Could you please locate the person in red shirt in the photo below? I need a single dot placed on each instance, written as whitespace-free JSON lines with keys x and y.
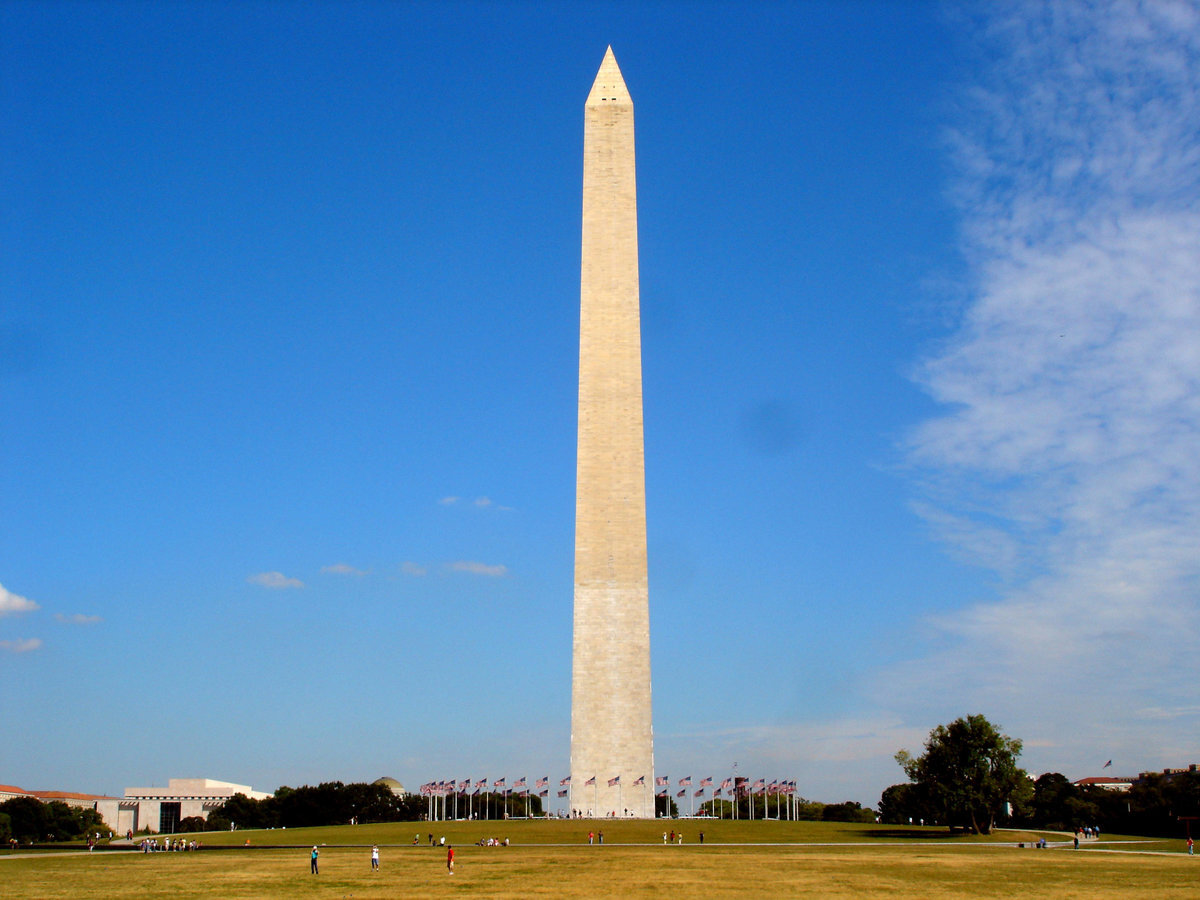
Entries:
{"x":450,"y":859}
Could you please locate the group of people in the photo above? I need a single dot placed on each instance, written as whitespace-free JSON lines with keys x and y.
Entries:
{"x":315,"y":855}
{"x":153,"y":845}
{"x":493,"y":842}
{"x":677,"y":837}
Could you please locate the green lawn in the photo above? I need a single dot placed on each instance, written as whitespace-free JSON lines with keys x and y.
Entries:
{"x":553,"y":859}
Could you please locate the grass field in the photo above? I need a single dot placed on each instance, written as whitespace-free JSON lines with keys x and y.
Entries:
{"x":553,"y":859}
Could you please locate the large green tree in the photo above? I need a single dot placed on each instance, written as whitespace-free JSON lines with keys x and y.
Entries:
{"x":969,"y":770}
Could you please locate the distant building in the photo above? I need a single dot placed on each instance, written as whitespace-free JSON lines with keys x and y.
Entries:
{"x":392,"y":785}
{"x":161,"y":809}
{"x":1123,"y":784}
{"x":1107,"y":782}
{"x":79,"y":801}
{"x":1168,"y":774}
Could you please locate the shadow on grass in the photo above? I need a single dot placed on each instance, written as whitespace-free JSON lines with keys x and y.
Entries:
{"x":908,"y":834}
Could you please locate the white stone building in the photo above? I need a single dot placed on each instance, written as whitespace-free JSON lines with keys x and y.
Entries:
{"x":161,"y":809}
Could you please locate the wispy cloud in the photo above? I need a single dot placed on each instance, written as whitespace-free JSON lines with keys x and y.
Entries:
{"x":478,"y":568}
{"x":1066,"y":459}
{"x":22,"y":645}
{"x":342,"y":569}
{"x":412,"y":568}
{"x":479,"y":503}
{"x":275,"y":581}
{"x":11,"y":603}
{"x":77,"y":619}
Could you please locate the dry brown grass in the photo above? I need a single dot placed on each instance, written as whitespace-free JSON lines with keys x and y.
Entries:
{"x":896,"y":872}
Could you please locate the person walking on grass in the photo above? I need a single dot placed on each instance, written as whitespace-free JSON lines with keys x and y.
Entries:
{"x":314,"y":859}
{"x":375,"y":858}
{"x":450,"y":859}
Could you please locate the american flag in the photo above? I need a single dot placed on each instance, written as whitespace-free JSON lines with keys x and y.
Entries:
{"x":481,"y":783}
{"x":717,"y":792}
{"x":700,"y":792}
{"x":613,"y":782}
{"x":726,"y":784}
{"x":520,"y":784}
{"x":641,"y":780}
{"x":565,"y":781}
{"x":499,"y":782}
{"x":544,"y":793}
{"x":681,"y":793}
{"x":543,"y":781}
{"x":706,"y":782}
{"x":590,"y":781}
{"x":758,"y":785}
{"x":662,"y":780}
{"x":562,"y":793}
{"x":685,"y":782}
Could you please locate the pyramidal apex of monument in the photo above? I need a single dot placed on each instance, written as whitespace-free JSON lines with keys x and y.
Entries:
{"x":609,"y":87}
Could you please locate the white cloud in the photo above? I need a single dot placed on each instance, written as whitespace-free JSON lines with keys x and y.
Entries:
{"x":448,"y":501}
{"x":342,"y":569}
{"x":412,"y":568}
{"x":478,"y":568}
{"x":275,"y":580}
{"x":1067,"y":458}
{"x":483,"y":502}
{"x":21,"y":645}
{"x":77,"y":619}
{"x":10,"y":603}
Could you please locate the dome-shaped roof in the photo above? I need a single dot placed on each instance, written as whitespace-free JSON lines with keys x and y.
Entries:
{"x":393,"y":785}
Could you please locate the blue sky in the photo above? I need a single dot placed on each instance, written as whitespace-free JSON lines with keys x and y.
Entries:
{"x":288,"y":344}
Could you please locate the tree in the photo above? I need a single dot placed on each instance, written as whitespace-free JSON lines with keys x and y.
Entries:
{"x":849,"y":811}
{"x":664,"y":806}
{"x":29,"y":819}
{"x":191,"y":825}
{"x":970,"y":770}
{"x":907,"y":804}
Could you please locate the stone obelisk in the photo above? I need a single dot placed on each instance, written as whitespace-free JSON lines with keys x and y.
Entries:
{"x":612,"y":742}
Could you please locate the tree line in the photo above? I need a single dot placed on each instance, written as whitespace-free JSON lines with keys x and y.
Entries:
{"x":335,"y":803}
{"x":28,"y":820}
{"x":968,"y":778}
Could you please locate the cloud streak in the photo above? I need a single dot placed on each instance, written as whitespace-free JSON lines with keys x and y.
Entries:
{"x":77,"y":619}
{"x":10,"y":603}
{"x":478,"y":568}
{"x":275,"y":581}
{"x":22,"y":645}
{"x":1066,"y":458}
{"x":342,"y":569}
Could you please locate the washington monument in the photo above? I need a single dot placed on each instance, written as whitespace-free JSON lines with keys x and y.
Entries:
{"x":612,"y":741}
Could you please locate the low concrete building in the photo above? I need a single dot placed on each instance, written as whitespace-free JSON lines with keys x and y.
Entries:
{"x":161,"y":809}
